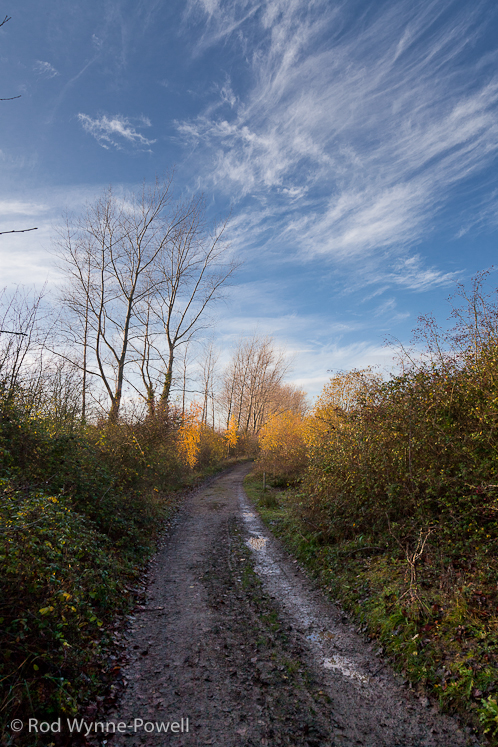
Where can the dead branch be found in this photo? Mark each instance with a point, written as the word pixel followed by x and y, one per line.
pixel 21 230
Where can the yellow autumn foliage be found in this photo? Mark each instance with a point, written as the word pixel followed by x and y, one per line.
pixel 231 434
pixel 282 445
pixel 337 398
pixel 189 434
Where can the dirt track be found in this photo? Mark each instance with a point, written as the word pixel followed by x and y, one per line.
pixel 236 639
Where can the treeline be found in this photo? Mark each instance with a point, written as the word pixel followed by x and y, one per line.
pixel 396 501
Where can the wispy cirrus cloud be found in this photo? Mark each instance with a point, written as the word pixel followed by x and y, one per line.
pixel 370 121
pixel 21 207
pixel 45 69
pixel 117 131
pixel 412 273
pixel 219 19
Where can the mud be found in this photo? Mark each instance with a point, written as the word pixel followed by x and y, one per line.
pixel 235 638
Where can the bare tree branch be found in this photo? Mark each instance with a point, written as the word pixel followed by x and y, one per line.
pixel 140 271
pixel 21 230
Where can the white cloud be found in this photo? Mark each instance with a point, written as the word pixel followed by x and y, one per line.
pixel 45 69
pixel 317 364
pixel 227 95
pixel 97 42
pixel 366 127
pixel 19 207
pixel 117 131
pixel 411 273
pixel 219 19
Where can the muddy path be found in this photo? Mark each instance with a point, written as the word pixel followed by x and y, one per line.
pixel 235 638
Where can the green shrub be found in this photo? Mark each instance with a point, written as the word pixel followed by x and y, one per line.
pixel 79 512
pixel 416 449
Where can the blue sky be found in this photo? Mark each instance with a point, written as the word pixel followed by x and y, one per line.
pixel 354 143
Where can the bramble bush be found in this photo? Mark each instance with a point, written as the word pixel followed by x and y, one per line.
pixel 60 584
pixel 416 449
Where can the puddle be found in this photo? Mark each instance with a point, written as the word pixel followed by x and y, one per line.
pixel 323 635
pixel 345 667
pixel 299 605
pixel 257 543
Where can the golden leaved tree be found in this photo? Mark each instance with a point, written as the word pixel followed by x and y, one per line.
pixel 231 435
pixel 282 445
pixel 189 434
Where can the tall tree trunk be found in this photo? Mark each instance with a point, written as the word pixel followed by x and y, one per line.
pixel 85 345
pixel 151 401
pixel 168 379
pixel 114 411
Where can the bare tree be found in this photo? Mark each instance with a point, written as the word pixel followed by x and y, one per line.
pixel 289 398
pixel 208 382
pixel 194 271
pixel 29 374
pixel 22 339
pixel 253 387
pixel 476 317
pixel 108 256
pixel 140 272
pixel 474 310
